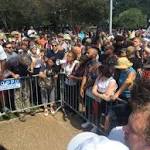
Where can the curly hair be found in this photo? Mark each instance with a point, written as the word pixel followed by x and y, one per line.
pixel 140 100
pixel 147 131
pixel 144 110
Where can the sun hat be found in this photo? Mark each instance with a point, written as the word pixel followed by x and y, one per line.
pixel 2 36
pixel 15 33
pixel 92 141
pixel 3 55
pixel 60 35
pixel 123 63
pixel 132 35
pixel 25 38
pixel 67 37
pixel 88 41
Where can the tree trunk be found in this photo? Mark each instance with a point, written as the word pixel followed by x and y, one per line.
pixel 3 18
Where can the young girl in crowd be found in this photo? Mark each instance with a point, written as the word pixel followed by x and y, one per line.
pixel 70 83
pixel 47 83
pixel 104 87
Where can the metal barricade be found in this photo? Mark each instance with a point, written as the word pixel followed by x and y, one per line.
pixel 24 94
pixel 98 112
pixel 87 108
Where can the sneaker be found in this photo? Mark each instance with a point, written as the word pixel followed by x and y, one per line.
pixel 85 125
pixel 52 110
pixel 32 112
pixel 94 129
pixel 46 112
pixel 22 117
pixel 6 110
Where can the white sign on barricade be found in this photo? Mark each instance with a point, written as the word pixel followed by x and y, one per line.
pixel 8 84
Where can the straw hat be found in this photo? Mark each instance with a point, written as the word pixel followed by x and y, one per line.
pixel 15 33
pixel 132 35
pixel 67 37
pixel 2 36
pixel 123 63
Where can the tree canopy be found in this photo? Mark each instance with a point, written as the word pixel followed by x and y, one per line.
pixel 17 13
pixel 132 18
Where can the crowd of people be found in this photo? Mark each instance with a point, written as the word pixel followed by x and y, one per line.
pixel 104 67
pixel 134 135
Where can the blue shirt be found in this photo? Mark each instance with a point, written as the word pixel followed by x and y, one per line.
pixel 54 56
pixel 123 76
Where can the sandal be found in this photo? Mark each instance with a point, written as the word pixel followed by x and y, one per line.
pixel 46 112
pixel 52 110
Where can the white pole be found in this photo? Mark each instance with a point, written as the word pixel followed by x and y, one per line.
pixel 110 19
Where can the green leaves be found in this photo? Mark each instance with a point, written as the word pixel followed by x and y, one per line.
pixel 126 13
pixel 132 18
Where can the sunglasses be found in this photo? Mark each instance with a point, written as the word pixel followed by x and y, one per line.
pixel 54 45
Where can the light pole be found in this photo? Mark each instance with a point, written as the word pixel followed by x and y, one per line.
pixel 110 17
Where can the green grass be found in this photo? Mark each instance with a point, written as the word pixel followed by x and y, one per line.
pixel 8 116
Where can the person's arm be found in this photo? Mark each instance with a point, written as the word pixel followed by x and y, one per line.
pixel 10 73
pixel 131 77
pixel 109 92
pixel 95 92
pixel 75 77
pixel 42 75
pixel 16 76
pixel 2 68
pixel 32 64
pixel 82 88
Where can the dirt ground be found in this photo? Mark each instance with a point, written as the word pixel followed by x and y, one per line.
pixel 39 132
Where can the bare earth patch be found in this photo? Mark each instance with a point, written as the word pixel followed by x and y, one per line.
pixel 39 132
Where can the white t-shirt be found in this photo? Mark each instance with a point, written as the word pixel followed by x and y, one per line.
pixel 3 55
pixel 68 68
pixel 37 61
pixel 102 85
pixel 92 141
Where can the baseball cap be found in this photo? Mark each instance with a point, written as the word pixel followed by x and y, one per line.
pixel 92 141
pixel 3 55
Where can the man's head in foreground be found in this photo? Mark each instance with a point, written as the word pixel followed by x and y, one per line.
pixel 137 131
